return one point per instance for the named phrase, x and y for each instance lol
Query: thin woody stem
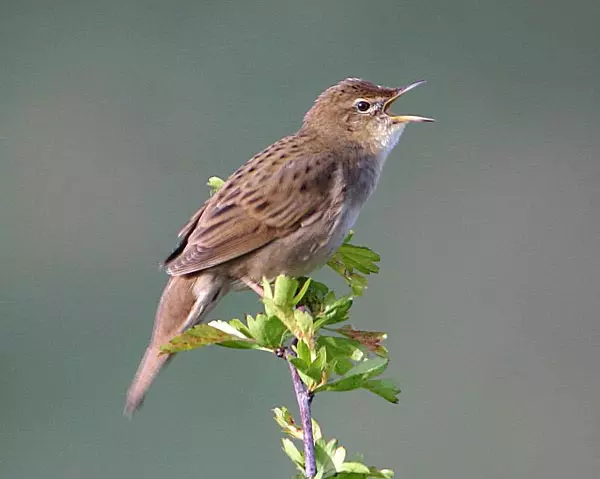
(304, 399)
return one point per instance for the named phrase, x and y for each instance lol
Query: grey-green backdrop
(114, 113)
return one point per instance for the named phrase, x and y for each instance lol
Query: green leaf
(381, 473)
(293, 453)
(341, 353)
(303, 352)
(341, 366)
(204, 335)
(317, 434)
(335, 312)
(285, 290)
(355, 467)
(311, 365)
(268, 331)
(369, 367)
(214, 183)
(321, 360)
(324, 458)
(300, 295)
(275, 333)
(358, 284)
(356, 377)
(256, 326)
(338, 348)
(241, 327)
(352, 262)
(279, 302)
(307, 370)
(329, 455)
(384, 388)
(338, 457)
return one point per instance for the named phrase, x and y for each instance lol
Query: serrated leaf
(334, 312)
(341, 348)
(385, 388)
(356, 377)
(256, 325)
(359, 259)
(361, 254)
(352, 262)
(203, 335)
(369, 339)
(268, 331)
(369, 367)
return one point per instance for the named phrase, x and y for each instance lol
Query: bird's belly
(303, 251)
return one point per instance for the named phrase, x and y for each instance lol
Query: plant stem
(303, 397)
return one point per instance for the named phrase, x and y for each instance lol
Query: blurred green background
(113, 115)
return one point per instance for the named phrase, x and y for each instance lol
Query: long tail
(184, 302)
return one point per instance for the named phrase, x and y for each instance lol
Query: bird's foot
(254, 286)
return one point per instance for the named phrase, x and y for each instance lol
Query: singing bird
(285, 211)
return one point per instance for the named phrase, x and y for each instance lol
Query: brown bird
(285, 211)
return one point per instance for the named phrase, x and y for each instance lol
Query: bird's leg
(253, 285)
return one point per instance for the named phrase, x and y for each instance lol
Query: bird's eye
(363, 106)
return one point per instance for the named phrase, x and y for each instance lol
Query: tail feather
(184, 303)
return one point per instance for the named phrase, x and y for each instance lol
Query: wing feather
(253, 209)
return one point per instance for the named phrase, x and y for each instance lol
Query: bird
(285, 211)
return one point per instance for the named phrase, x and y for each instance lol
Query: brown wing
(262, 201)
(184, 235)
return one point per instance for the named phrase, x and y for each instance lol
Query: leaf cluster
(302, 321)
(327, 357)
(330, 456)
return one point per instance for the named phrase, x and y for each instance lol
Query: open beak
(405, 118)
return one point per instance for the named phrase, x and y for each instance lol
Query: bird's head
(357, 112)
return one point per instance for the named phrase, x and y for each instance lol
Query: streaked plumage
(285, 211)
